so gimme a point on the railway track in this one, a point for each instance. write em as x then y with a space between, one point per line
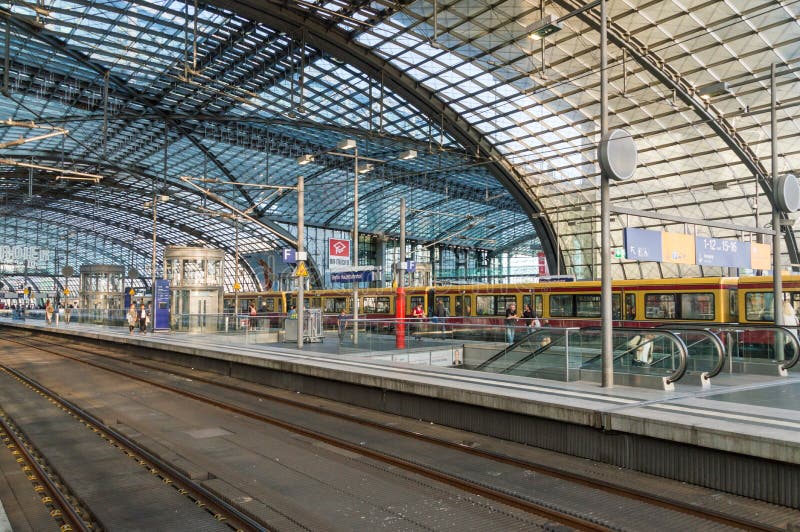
68 511
546 509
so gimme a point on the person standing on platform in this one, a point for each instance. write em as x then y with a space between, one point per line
528 318
143 319
791 322
133 318
418 314
68 313
342 323
511 322
252 312
48 312
440 313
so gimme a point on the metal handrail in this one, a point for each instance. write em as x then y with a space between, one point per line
537 352
508 348
729 327
715 340
677 340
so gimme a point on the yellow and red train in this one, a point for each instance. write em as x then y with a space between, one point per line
643 303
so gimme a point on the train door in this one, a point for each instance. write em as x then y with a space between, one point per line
538 305
630 307
463 305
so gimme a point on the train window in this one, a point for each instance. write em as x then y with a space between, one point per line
758 306
463 306
413 302
316 302
733 303
334 305
484 305
630 306
526 300
588 306
659 306
697 306
503 302
794 297
269 304
561 305
377 305
537 305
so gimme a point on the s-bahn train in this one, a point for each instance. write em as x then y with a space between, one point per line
635 303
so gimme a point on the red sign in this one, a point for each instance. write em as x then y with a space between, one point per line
542 263
338 252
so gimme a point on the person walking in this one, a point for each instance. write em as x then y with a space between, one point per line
133 318
511 322
48 312
142 314
68 313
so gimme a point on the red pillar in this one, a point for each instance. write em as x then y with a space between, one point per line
400 315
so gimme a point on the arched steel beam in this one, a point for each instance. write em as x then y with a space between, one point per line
325 36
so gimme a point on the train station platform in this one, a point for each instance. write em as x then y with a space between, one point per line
741 435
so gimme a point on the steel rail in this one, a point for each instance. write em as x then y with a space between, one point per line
69 514
532 507
607 486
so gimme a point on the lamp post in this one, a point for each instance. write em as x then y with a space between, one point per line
163 198
343 146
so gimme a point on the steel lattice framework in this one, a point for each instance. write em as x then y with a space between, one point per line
505 127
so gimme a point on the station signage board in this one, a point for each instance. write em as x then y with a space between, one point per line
720 252
678 248
338 252
760 256
641 244
353 277
161 305
542 263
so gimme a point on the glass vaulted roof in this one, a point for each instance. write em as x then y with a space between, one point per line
212 104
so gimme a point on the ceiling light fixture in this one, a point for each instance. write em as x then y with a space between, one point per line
305 159
542 28
346 144
714 89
